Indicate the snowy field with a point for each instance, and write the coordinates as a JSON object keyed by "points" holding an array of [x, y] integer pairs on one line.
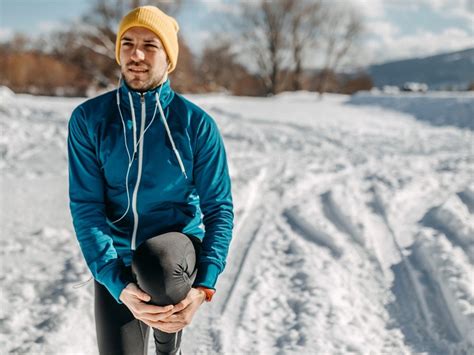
{"points": [[353, 231]]}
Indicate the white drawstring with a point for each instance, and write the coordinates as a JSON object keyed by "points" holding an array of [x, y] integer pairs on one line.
{"points": [[181, 165], [80, 284], [124, 128], [154, 114], [130, 158], [134, 124]]}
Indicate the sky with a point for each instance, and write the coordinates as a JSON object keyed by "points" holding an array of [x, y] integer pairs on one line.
{"points": [[394, 29]]}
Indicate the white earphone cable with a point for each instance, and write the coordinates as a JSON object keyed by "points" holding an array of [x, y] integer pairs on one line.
{"points": [[180, 162], [136, 143]]}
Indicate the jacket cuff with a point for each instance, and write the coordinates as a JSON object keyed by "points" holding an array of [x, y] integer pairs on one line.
{"points": [[116, 289], [207, 275], [114, 279]]}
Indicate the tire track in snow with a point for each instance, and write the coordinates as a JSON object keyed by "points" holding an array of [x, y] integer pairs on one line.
{"points": [[310, 233], [335, 215], [220, 314], [278, 137], [420, 307], [272, 292], [450, 220], [294, 137], [246, 230], [211, 338], [287, 283], [242, 306], [467, 197], [442, 264]]}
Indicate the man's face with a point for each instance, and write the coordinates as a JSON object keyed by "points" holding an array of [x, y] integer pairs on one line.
{"points": [[143, 59]]}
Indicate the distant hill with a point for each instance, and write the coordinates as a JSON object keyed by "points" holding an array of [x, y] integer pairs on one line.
{"points": [[442, 71]]}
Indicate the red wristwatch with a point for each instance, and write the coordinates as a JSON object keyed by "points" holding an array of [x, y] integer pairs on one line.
{"points": [[208, 291]]}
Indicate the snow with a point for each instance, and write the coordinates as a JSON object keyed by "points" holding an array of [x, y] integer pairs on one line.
{"points": [[438, 108], [353, 231]]}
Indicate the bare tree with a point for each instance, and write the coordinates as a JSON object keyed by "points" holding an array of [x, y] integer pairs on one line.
{"points": [[305, 20], [341, 28], [217, 62], [277, 36], [184, 79], [263, 27], [219, 69]]}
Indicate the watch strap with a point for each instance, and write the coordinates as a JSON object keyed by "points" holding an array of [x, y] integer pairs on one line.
{"points": [[208, 291]]}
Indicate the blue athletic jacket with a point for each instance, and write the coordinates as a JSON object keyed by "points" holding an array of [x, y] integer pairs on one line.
{"points": [[119, 198]]}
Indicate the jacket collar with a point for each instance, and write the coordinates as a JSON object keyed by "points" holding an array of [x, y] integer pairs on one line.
{"points": [[164, 91]]}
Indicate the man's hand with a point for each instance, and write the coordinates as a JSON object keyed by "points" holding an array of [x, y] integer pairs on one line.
{"points": [[182, 313], [134, 298]]}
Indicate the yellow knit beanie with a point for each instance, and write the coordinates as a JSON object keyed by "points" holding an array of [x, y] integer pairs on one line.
{"points": [[155, 20]]}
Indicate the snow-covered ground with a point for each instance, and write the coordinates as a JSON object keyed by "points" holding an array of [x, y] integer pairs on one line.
{"points": [[438, 108], [353, 231]]}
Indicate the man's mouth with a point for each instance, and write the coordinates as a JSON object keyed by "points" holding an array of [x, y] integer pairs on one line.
{"points": [[138, 70]]}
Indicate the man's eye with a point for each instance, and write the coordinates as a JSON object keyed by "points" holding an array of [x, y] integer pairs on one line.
{"points": [[126, 44], [151, 46]]}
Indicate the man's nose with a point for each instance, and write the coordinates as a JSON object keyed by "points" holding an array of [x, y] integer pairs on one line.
{"points": [[138, 54]]}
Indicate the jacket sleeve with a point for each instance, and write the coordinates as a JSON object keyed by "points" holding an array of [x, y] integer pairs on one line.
{"points": [[86, 195], [213, 185]]}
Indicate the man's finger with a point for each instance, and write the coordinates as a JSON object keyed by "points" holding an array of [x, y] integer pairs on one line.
{"points": [[173, 318], [143, 296], [138, 292], [181, 305], [155, 317], [144, 308]]}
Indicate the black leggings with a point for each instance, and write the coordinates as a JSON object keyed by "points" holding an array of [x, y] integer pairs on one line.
{"points": [[165, 268]]}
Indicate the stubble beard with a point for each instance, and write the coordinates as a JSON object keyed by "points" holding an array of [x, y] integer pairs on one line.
{"points": [[150, 81], [141, 85]]}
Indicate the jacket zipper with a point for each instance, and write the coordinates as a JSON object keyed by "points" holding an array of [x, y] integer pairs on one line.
{"points": [[139, 174]]}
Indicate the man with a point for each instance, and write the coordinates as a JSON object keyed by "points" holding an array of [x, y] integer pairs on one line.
{"points": [[150, 194]]}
